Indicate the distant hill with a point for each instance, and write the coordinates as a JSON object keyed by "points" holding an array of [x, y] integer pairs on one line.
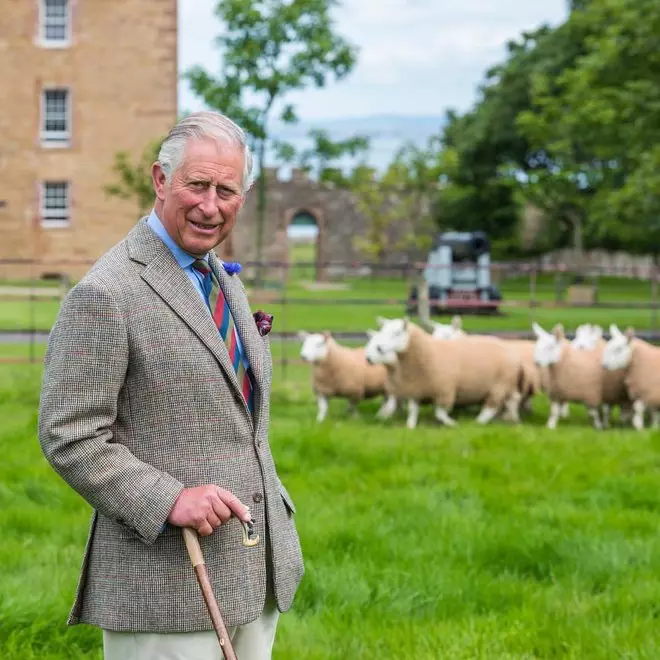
{"points": [[387, 132]]}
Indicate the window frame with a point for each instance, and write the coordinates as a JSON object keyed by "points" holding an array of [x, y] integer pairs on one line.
{"points": [[54, 218], [55, 139], [43, 40]]}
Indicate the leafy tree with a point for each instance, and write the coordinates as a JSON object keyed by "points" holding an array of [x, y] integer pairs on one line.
{"points": [[134, 179], [320, 159], [397, 205], [600, 118], [269, 49]]}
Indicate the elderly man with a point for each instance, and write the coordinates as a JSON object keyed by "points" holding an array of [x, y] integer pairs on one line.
{"points": [[155, 409]]}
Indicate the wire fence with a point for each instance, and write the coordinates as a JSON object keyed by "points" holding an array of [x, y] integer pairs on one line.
{"points": [[345, 298]]}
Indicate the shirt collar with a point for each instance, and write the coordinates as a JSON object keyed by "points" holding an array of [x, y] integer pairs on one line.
{"points": [[183, 258]]}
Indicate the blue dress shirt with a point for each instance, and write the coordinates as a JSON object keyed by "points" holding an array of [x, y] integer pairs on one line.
{"points": [[186, 261]]}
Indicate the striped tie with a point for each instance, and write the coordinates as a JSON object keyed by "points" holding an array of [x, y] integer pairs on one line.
{"points": [[225, 324]]}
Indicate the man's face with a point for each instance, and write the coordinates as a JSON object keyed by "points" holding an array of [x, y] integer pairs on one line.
{"points": [[198, 208]]}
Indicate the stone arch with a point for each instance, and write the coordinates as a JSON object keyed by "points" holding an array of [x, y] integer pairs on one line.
{"points": [[304, 216]]}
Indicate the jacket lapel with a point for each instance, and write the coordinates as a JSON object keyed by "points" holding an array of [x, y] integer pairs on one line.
{"points": [[164, 275]]}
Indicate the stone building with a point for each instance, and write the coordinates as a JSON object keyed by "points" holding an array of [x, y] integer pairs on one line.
{"points": [[81, 80]]}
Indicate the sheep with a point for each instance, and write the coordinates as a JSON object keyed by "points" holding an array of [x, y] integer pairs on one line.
{"points": [[590, 337], [531, 374], [448, 330], [574, 375], [640, 363], [447, 372], [342, 371]]}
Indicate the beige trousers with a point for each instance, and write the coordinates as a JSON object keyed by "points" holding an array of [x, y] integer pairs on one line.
{"points": [[254, 641]]}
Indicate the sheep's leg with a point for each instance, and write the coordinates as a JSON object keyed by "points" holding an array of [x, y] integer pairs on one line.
{"points": [[564, 410], [655, 418], [487, 413], [322, 405], [442, 415], [352, 408], [555, 412], [638, 414], [512, 406], [413, 413], [605, 415], [625, 413], [388, 408], [593, 413]]}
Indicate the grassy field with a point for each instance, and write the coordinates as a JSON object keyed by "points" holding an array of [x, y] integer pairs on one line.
{"points": [[498, 542], [356, 306]]}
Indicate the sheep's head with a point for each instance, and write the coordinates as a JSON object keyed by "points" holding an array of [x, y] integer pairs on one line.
{"points": [[547, 350], [587, 337], [384, 345], [618, 350], [315, 346], [448, 330]]}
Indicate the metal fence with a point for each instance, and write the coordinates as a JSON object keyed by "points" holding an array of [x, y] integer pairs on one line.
{"points": [[529, 291]]}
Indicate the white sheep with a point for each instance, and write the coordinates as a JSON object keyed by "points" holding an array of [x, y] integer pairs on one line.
{"points": [[464, 371], [574, 375], [589, 337], [341, 371], [531, 375], [448, 330], [640, 363]]}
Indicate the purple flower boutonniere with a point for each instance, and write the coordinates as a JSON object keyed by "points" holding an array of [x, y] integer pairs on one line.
{"points": [[232, 267], [264, 322]]}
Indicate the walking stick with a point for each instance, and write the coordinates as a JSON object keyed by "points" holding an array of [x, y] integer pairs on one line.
{"points": [[250, 538]]}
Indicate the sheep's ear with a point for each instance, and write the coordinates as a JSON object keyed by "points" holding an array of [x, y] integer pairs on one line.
{"points": [[597, 330], [614, 330], [538, 330], [406, 321], [558, 331], [371, 333], [302, 335], [326, 334], [457, 322], [630, 332], [381, 321]]}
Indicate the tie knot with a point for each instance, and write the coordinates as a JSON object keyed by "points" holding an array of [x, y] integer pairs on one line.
{"points": [[201, 266]]}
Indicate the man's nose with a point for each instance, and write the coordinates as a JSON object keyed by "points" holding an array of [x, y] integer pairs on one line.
{"points": [[209, 203]]}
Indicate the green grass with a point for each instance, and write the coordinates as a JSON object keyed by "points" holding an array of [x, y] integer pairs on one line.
{"points": [[494, 542], [332, 310]]}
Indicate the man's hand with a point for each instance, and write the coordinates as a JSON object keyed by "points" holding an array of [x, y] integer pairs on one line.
{"points": [[206, 507]]}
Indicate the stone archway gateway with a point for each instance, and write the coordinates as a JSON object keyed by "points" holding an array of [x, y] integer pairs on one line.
{"points": [[306, 239]]}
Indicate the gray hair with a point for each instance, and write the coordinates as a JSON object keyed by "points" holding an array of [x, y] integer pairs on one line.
{"points": [[203, 125]]}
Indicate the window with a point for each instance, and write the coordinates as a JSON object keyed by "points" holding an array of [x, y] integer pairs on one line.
{"points": [[55, 22], [55, 204], [55, 130]]}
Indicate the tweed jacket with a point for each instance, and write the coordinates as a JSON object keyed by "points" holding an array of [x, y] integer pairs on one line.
{"points": [[139, 400]]}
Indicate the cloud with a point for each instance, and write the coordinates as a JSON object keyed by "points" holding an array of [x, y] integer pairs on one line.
{"points": [[416, 56]]}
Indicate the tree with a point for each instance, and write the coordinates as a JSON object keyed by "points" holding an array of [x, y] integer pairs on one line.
{"points": [[320, 160], [270, 48], [601, 121], [397, 205], [134, 179]]}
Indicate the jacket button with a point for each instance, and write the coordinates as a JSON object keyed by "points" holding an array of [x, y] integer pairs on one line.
{"points": [[257, 497]]}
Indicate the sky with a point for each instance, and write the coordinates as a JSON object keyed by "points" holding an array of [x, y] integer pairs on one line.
{"points": [[416, 57]]}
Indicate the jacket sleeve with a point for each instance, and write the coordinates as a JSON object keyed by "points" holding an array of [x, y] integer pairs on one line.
{"points": [[84, 369]]}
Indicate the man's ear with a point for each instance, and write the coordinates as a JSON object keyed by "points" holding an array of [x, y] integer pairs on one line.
{"points": [[159, 180]]}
